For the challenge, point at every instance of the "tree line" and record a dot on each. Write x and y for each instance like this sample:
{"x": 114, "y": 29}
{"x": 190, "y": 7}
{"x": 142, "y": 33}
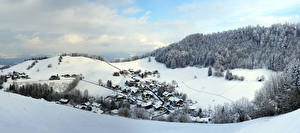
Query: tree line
{"x": 280, "y": 94}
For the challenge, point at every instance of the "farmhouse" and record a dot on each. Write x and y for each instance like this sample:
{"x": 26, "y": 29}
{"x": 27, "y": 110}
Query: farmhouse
{"x": 54, "y": 77}
{"x": 125, "y": 72}
{"x": 137, "y": 72}
{"x": 63, "y": 101}
{"x": 116, "y": 74}
{"x": 66, "y": 75}
{"x": 147, "y": 105}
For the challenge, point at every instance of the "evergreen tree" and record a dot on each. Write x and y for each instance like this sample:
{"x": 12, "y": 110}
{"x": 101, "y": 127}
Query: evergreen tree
{"x": 109, "y": 83}
{"x": 209, "y": 71}
{"x": 249, "y": 47}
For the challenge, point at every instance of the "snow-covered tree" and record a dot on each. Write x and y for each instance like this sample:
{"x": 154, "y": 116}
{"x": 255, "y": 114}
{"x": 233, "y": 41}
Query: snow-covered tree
{"x": 228, "y": 75}
{"x": 248, "y": 47}
{"x": 292, "y": 73}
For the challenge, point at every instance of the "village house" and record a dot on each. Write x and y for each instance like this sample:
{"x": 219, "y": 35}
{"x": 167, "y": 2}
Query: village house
{"x": 116, "y": 74}
{"x": 131, "y": 83}
{"x": 66, "y": 75}
{"x": 167, "y": 95}
{"x": 74, "y": 76}
{"x": 24, "y": 77}
{"x": 155, "y": 72}
{"x": 124, "y": 72}
{"x": 176, "y": 101}
{"x": 137, "y": 72}
{"x": 130, "y": 70}
{"x": 147, "y": 105}
{"x": 147, "y": 95}
{"x": 54, "y": 77}
{"x": 63, "y": 101}
{"x": 158, "y": 106}
{"x": 120, "y": 97}
{"x": 116, "y": 87}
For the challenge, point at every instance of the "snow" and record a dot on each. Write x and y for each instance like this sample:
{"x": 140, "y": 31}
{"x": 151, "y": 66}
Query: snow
{"x": 93, "y": 70}
{"x": 24, "y": 114}
{"x": 206, "y": 91}
{"x": 146, "y": 104}
{"x": 93, "y": 90}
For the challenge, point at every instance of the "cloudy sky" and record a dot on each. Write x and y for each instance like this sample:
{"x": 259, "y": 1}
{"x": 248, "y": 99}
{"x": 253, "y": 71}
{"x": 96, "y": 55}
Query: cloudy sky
{"x": 49, "y": 27}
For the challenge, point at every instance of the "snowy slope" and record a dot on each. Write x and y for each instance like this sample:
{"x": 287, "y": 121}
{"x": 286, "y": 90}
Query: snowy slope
{"x": 92, "y": 70}
{"x": 205, "y": 90}
{"x": 94, "y": 90}
{"x": 24, "y": 114}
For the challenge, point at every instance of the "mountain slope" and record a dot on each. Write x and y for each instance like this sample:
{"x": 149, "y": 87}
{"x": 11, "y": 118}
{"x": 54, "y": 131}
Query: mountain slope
{"x": 193, "y": 81}
{"x": 24, "y": 114}
{"x": 249, "y": 47}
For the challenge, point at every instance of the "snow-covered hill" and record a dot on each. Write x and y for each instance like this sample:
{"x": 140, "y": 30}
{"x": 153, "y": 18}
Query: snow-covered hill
{"x": 191, "y": 80}
{"x": 24, "y": 114}
{"x": 206, "y": 90}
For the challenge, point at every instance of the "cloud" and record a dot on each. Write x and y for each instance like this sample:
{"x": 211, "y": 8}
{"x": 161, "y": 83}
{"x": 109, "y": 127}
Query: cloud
{"x": 90, "y": 27}
{"x": 131, "y": 11}
{"x": 145, "y": 17}
{"x": 35, "y": 40}
{"x": 2, "y": 55}
{"x": 115, "y": 3}
{"x": 269, "y": 20}
{"x": 48, "y": 27}
{"x": 230, "y": 14}
{"x": 29, "y": 40}
{"x": 72, "y": 38}
{"x": 107, "y": 38}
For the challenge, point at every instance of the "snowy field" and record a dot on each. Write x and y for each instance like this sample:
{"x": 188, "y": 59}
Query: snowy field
{"x": 25, "y": 114}
{"x": 206, "y": 91}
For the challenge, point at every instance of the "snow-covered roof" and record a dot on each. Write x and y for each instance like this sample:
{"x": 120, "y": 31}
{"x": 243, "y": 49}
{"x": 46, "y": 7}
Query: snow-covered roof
{"x": 87, "y": 103}
{"x": 120, "y": 95}
{"x": 166, "y": 93}
{"x": 193, "y": 107}
{"x": 157, "y": 104}
{"x": 202, "y": 120}
{"x": 115, "y": 111}
{"x": 63, "y": 100}
{"x": 147, "y": 92}
{"x": 146, "y": 103}
{"x": 174, "y": 99}
{"x": 95, "y": 104}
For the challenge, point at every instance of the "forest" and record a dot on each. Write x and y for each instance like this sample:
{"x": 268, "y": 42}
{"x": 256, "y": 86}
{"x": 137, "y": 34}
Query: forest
{"x": 249, "y": 47}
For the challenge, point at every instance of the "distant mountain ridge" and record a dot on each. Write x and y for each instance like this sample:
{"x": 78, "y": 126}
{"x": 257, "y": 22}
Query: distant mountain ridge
{"x": 11, "y": 61}
{"x": 249, "y": 47}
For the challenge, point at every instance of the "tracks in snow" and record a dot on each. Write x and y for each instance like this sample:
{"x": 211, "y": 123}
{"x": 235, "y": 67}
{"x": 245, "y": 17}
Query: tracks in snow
{"x": 206, "y": 92}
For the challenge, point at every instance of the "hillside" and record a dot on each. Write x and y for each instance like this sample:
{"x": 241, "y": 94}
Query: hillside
{"x": 191, "y": 80}
{"x": 24, "y": 114}
{"x": 249, "y": 47}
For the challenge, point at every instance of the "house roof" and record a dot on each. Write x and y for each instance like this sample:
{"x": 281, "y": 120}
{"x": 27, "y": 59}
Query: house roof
{"x": 63, "y": 100}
